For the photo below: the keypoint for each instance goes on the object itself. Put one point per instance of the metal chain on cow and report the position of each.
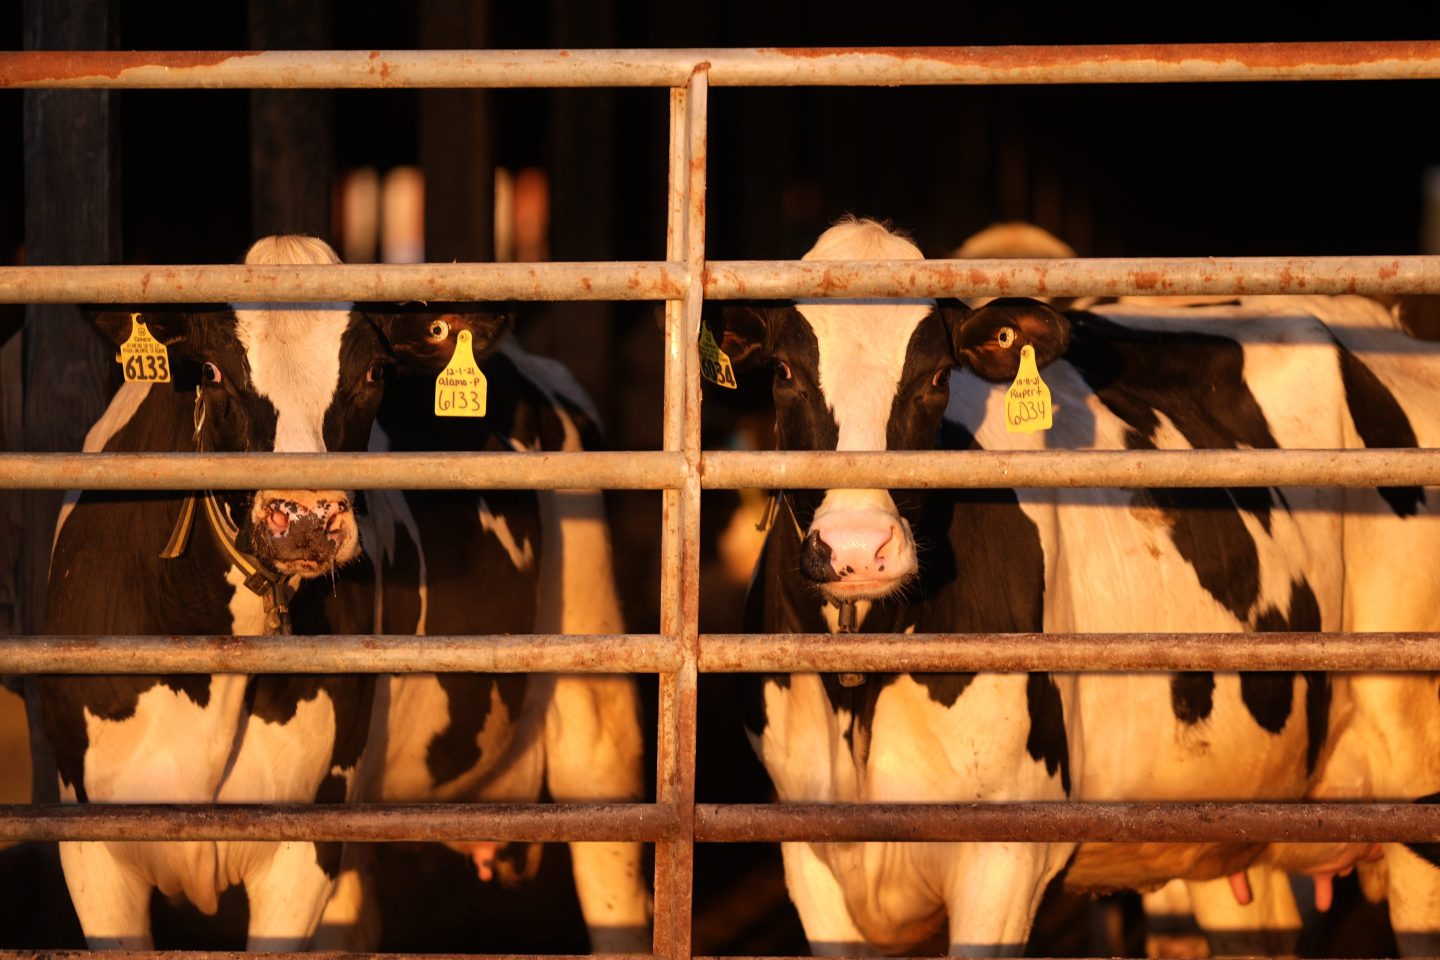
(848, 617)
(271, 586)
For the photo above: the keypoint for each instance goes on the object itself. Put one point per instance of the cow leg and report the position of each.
(1414, 902)
(351, 920)
(288, 891)
(111, 899)
(821, 905)
(995, 890)
(593, 752)
(1267, 926)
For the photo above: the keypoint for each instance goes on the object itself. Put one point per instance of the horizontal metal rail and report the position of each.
(1070, 820)
(722, 469)
(733, 823)
(1069, 468)
(399, 822)
(723, 653)
(225, 283)
(309, 955)
(724, 280)
(502, 653)
(1071, 652)
(631, 470)
(797, 66)
(1189, 276)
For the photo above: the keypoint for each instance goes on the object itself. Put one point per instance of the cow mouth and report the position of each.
(852, 589)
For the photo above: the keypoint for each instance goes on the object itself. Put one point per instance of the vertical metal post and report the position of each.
(680, 547)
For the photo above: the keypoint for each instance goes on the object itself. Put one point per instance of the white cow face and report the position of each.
(859, 375)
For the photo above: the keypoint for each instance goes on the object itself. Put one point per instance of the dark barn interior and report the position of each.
(1114, 170)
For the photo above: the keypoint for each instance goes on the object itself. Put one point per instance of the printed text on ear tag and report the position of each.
(143, 358)
(1027, 402)
(460, 388)
(714, 365)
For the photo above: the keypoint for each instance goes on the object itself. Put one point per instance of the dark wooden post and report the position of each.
(455, 142)
(72, 216)
(292, 132)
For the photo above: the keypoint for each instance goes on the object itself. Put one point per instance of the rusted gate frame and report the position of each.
(684, 280)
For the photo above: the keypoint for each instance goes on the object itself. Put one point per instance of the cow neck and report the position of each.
(848, 616)
(272, 587)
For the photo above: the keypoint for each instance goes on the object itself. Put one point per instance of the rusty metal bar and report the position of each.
(1191, 276)
(629, 470)
(45, 954)
(1072, 652)
(440, 282)
(724, 280)
(724, 470)
(783, 66)
(1071, 468)
(534, 822)
(679, 591)
(501, 653)
(1070, 820)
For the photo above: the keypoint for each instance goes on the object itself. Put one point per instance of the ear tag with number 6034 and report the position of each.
(460, 388)
(714, 365)
(143, 358)
(1027, 402)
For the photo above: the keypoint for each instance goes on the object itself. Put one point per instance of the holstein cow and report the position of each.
(283, 377)
(914, 374)
(499, 561)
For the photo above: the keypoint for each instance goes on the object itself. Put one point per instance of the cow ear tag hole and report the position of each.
(714, 364)
(143, 358)
(460, 388)
(1027, 402)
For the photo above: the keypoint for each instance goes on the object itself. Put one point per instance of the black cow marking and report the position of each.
(456, 750)
(1268, 697)
(1047, 741)
(1317, 716)
(1381, 423)
(1192, 696)
(944, 688)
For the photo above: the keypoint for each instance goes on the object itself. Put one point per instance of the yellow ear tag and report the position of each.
(714, 365)
(1027, 402)
(142, 357)
(460, 388)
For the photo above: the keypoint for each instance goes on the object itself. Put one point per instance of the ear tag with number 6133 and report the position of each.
(1027, 402)
(460, 388)
(714, 365)
(143, 358)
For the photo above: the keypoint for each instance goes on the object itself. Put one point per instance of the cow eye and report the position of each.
(210, 373)
(782, 371)
(439, 330)
(941, 378)
(1005, 336)
(376, 373)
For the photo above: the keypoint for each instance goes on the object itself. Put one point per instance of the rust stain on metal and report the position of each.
(37, 66)
(1387, 272)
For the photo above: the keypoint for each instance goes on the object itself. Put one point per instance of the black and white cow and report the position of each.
(283, 377)
(500, 561)
(914, 374)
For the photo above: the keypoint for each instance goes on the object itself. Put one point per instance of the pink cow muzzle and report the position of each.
(305, 532)
(858, 554)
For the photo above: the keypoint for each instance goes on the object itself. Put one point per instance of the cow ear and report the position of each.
(168, 325)
(988, 339)
(741, 331)
(427, 337)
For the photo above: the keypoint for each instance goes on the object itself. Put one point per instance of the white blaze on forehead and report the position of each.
(294, 348)
(862, 342)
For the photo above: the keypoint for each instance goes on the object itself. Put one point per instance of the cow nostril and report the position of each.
(277, 521)
(888, 549)
(335, 524)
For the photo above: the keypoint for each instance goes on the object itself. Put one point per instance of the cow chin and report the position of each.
(851, 589)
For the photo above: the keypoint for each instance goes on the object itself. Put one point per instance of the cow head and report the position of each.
(282, 377)
(874, 375)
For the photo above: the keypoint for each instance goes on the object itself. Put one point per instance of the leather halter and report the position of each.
(272, 587)
(846, 620)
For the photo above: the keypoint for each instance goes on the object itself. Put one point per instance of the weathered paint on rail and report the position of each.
(501, 653)
(781, 66)
(1070, 820)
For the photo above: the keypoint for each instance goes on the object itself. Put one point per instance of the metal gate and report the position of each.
(674, 822)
